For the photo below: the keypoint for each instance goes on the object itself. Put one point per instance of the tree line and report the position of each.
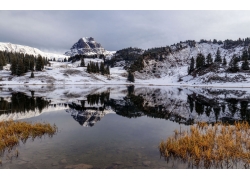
(22, 63)
(93, 67)
(21, 103)
(78, 57)
(128, 55)
(202, 62)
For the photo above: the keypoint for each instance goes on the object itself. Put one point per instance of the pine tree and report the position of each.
(107, 70)
(224, 61)
(244, 55)
(2, 60)
(92, 67)
(218, 56)
(130, 77)
(13, 66)
(32, 74)
(88, 68)
(97, 67)
(245, 65)
(209, 59)
(102, 68)
(43, 63)
(233, 65)
(82, 64)
(200, 60)
(39, 63)
(6, 55)
(191, 68)
(31, 63)
(26, 63)
(20, 68)
(1, 63)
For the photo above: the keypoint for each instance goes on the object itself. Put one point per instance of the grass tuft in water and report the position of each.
(11, 132)
(218, 145)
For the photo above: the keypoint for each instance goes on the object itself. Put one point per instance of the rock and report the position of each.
(117, 163)
(79, 166)
(44, 158)
(86, 45)
(146, 163)
(54, 164)
(63, 161)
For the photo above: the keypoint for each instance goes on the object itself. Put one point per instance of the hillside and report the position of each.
(156, 66)
(9, 47)
(169, 65)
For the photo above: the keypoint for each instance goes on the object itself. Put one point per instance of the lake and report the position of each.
(114, 127)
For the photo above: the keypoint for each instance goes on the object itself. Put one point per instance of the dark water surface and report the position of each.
(113, 128)
(114, 142)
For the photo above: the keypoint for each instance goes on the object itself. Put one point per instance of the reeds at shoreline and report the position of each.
(210, 146)
(11, 132)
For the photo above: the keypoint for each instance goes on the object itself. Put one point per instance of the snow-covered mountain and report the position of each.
(88, 118)
(87, 46)
(9, 47)
(170, 64)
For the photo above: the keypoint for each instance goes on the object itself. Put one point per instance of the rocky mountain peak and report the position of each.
(86, 43)
(86, 46)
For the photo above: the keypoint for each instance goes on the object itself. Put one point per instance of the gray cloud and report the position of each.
(57, 31)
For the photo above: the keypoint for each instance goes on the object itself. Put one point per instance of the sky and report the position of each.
(56, 31)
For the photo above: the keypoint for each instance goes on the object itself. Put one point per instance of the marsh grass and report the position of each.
(12, 132)
(210, 146)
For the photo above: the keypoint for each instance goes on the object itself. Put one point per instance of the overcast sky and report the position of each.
(57, 31)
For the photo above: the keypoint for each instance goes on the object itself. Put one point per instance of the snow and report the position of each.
(9, 47)
(172, 71)
(64, 73)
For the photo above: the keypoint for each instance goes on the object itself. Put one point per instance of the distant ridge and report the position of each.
(9, 47)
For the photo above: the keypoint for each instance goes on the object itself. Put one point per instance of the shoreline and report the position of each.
(138, 84)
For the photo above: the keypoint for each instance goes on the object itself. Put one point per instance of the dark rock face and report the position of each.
(87, 46)
(86, 43)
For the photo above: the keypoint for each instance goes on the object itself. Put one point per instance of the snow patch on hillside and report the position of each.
(9, 47)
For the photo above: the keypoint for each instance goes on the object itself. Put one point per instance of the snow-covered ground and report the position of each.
(9, 47)
(172, 71)
(64, 73)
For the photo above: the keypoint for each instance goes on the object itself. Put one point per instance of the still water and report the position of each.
(111, 127)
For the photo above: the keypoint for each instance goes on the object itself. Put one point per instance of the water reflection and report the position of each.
(175, 104)
(127, 123)
(20, 103)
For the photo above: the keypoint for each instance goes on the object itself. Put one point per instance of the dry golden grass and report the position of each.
(219, 145)
(11, 132)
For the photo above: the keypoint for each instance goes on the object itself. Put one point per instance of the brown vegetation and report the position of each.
(219, 145)
(11, 132)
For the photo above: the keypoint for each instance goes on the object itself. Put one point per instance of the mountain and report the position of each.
(170, 64)
(125, 57)
(86, 46)
(88, 117)
(9, 47)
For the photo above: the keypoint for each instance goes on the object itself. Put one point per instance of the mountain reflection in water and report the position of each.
(181, 105)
